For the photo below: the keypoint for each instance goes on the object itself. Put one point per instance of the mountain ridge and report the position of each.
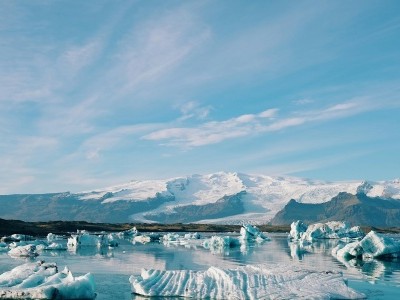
(194, 198)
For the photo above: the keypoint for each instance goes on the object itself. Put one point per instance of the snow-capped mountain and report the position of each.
(229, 198)
(261, 196)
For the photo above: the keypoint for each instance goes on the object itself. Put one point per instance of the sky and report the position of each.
(95, 93)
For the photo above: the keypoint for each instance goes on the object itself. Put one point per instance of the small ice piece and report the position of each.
(192, 236)
(24, 251)
(143, 239)
(42, 280)
(51, 237)
(22, 237)
(53, 246)
(247, 282)
(130, 233)
(249, 232)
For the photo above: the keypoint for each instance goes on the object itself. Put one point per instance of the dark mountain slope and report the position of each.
(355, 209)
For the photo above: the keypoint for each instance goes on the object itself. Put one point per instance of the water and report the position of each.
(112, 267)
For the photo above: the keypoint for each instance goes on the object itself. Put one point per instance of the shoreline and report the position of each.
(8, 227)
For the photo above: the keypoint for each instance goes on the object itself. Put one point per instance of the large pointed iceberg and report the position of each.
(41, 280)
(247, 282)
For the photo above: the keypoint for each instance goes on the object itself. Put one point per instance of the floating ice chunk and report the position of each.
(170, 237)
(128, 233)
(297, 229)
(52, 246)
(143, 239)
(51, 237)
(249, 232)
(377, 245)
(373, 245)
(43, 281)
(329, 230)
(248, 282)
(84, 238)
(24, 251)
(220, 243)
(22, 237)
(192, 236)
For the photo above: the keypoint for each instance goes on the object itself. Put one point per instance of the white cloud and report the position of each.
(193, 110)
(211, 132)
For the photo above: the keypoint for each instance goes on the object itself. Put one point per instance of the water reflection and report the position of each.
(113, 266)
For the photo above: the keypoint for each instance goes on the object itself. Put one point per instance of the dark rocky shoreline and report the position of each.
(8, 227)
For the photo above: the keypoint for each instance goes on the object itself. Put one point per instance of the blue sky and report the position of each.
(95, 93)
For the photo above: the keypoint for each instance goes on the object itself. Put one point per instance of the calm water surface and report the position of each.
(112, 267)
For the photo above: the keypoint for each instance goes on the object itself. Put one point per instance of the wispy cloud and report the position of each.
(193, 110)
(253, 124)
(213, 132)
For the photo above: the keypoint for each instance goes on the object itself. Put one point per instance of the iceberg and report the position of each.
(330, 230)
(24, 251)
(247, 282)
(51, 237)
(373, 245)
(84, 238)
(42, 280)
(249, 232)
(220, 243)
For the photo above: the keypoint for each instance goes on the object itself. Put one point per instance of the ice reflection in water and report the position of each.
(112, 267)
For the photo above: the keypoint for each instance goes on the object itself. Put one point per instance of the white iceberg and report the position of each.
(43, 281)
(22, 237)
(51, 237)
(247, 282)
(128, 233)
(85, 239)
(221, 242)
(24, 251)
(192, 236)
(329, 230)
(52, 246)
(373, 245)
(249, 232)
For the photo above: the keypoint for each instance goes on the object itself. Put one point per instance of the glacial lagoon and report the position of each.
(112, 267)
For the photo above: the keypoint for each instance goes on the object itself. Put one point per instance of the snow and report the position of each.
(330, 230)
(247, 282)
(265, 195)
(373, 245)
(42, 280)
(24, 251)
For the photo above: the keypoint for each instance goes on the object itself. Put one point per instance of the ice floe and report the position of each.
(84, 238)
(24, 251)
(373, 245)
(250, 232)
(42, 280)
(330, 230)
(247, 282)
